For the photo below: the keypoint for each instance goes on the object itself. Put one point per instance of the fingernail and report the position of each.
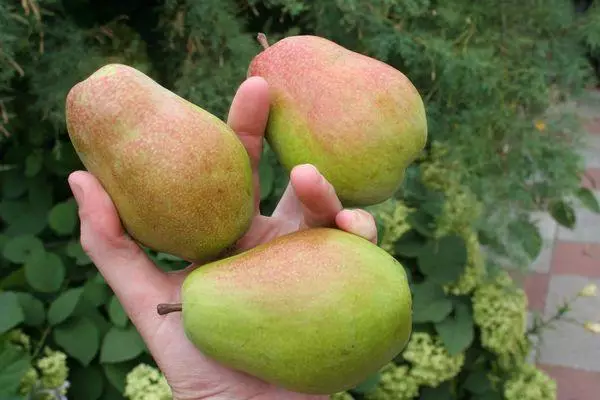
(77, 191)
(318, 178)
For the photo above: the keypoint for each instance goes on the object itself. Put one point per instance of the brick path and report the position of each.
(571, 259)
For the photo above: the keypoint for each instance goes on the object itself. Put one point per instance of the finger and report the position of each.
(358, 222)
(137, 282)
(248, 117)
(289, 206)
(318, 200)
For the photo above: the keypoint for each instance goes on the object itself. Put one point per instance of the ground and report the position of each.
(569, 260)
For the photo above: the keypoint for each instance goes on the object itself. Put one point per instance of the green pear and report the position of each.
(360, 121)
(179, 177)
(316, 311)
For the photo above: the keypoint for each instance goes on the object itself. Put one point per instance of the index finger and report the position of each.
(248, 117)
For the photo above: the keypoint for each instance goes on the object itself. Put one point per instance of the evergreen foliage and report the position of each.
(498, 79)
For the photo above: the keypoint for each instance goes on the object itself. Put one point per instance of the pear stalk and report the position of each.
(166, 308)
(262, 39)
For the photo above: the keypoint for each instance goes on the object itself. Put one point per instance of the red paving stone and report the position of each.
(574, 384)
(536, 288)
(592, 125)
(572, 258)
(591, 179)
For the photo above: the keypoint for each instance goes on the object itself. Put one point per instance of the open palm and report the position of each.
(309, 201)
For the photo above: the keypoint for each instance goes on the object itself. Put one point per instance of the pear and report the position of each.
(179, 177)
(360, 121)
(316, 311)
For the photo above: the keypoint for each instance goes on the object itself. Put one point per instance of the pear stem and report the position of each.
(165, 308)
(262, 39)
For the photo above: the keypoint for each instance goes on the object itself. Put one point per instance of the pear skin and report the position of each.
(360, 121)
(179, 177)
(316, 311)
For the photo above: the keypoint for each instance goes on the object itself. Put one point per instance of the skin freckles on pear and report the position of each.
(359, 120)
(163, 161)
(182, 183)
(349, 299)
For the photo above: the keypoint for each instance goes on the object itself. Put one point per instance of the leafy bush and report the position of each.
(497, 80)
(470, 339)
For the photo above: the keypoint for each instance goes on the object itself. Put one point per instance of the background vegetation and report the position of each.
(498, 79)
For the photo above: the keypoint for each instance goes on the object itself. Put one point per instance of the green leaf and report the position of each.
(41, 195)
(79, 338)
(442, 392)
(45, 272)
(19, 248)
(414, 192)
(117, 372)
(14, 280)
(3, 240)
(409, 244)
(34, 163)
(588, 199)
(86, 383)
(64, 306)
(380, 225)
(528, 235)
(75, 251)
(101, 323)
(478, 382)
(63, 217)
(563, 213)
(422, 222)
(434, 204)
(457, 332)
(112, 393)
(167, 257)
(266, 176)
(29, 221)
(96, 293)
(117, 313)
(368, 384)
(10, 310)
(14, 363)
(33, 308)
(444, 260)
(13, 184)
(430, 303)
(489, 395)
(121, 344)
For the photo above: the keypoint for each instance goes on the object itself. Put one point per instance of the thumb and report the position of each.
(358, 222)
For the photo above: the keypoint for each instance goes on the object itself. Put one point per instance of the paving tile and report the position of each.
(591, 179)
(573, 258)
(592, 125)
(592, 141)
(587, 228)
(543, 261)
(589, 101)
(574, 384)
(591, 157)
(567, 344)
(545, 223)
(536, 288)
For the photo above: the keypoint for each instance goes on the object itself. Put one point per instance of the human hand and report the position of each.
(309, 201)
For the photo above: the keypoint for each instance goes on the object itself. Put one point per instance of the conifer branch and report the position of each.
(13, 63)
